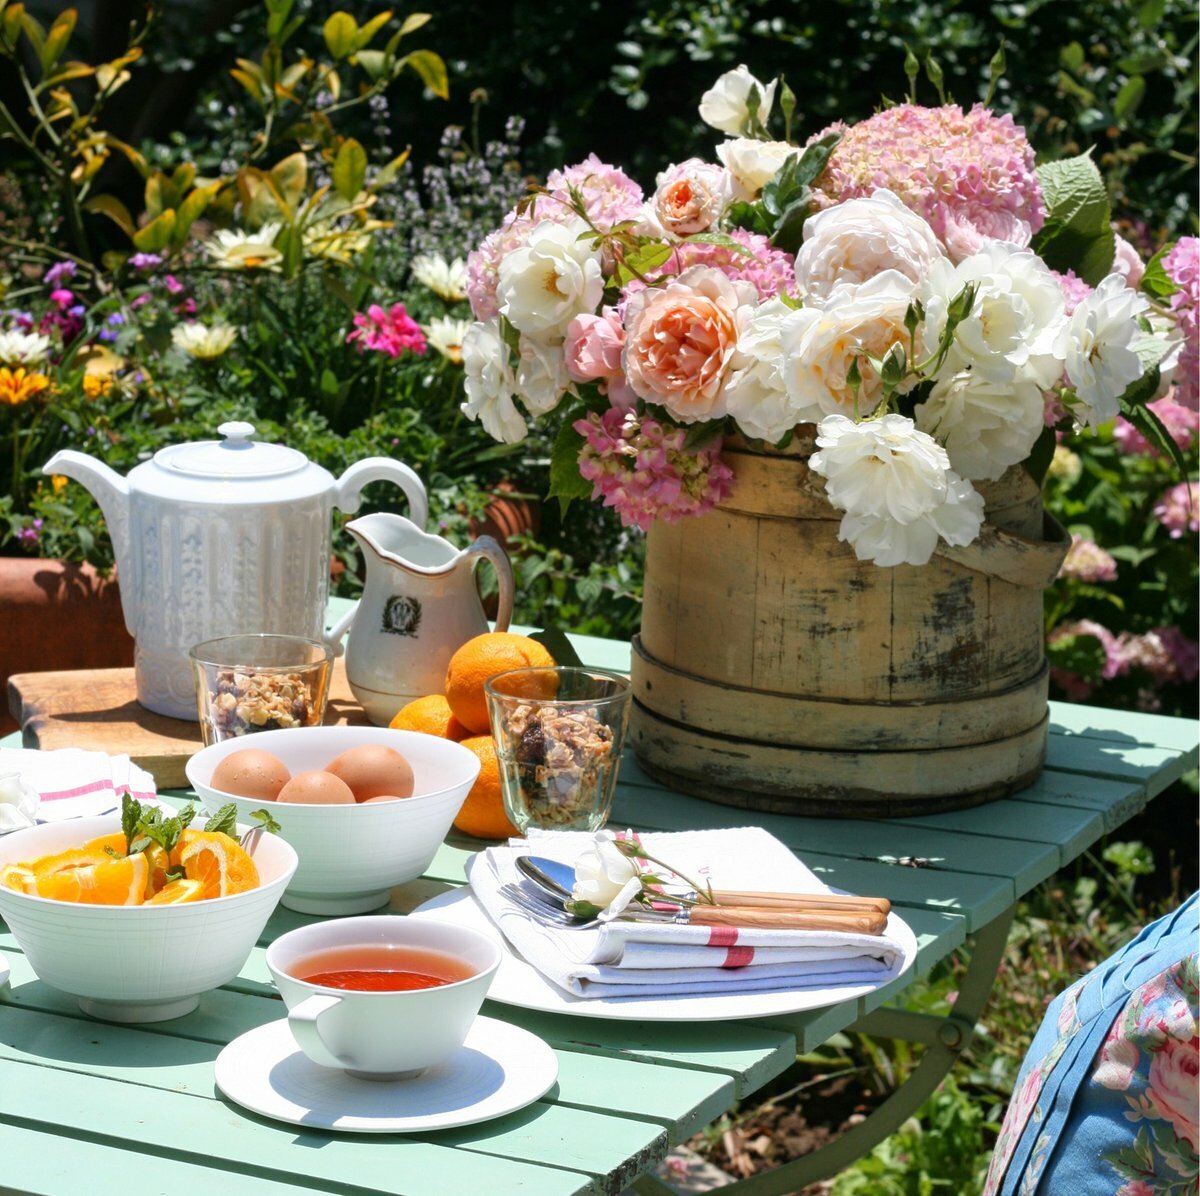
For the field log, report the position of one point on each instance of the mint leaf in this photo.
(268, 823)
(131, 815)
(224, 820)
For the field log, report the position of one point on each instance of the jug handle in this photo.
(375, 469)
(335, 636)
(485, 548)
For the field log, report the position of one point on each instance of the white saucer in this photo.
(499, 1069)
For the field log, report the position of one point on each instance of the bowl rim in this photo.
(373, 806)
(90, 910)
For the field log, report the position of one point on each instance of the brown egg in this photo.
(372, 770)
(317, 789)
(251, 773)
(370, 801)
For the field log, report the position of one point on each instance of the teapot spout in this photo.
(111, 491)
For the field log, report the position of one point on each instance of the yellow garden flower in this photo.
(19, 386)
(96, 386)
(201, 342)
(232, 249)
(59, 482)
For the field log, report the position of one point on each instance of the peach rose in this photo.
(690, 197)
(680, 341)
(1174, 1071)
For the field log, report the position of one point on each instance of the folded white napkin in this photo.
(644, 959)
(69, 783)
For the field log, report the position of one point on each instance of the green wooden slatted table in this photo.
(88, 1106)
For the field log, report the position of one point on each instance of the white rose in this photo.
(1095, 344)
(19, 802)
(1013, 328)
(724, 106)
(985, 426)
(689, 198)
(542, 377)
(752, 164)
(756, 394)
(490, 384)
(821, 343)
(550, 279)
(603, 875)
(896, 487)
(853, 241)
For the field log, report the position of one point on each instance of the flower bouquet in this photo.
(871, 328)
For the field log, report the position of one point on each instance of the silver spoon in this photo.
(544, 882)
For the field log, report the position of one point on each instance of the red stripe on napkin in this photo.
(722, 936)
(94, 787)
(738, 957)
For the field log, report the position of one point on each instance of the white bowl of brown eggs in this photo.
(365, 808)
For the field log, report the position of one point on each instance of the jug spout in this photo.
(111, 491)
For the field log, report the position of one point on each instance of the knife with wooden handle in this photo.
(768, 919)
(803, 901)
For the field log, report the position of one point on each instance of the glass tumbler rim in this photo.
(205, 653)
(624, 685)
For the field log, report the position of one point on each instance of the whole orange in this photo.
(431, 714)
(480, 660)
(482, 814)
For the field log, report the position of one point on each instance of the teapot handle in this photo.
(375, 469)
(486, 548)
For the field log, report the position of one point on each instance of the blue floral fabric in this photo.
(1108, 1099)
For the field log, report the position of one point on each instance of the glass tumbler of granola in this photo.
(248, 683)
(559, 735)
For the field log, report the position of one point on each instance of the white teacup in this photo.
(388, 1035)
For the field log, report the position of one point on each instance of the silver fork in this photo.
(542, 910)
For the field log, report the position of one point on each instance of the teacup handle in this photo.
(304, 1024)
(490, 550)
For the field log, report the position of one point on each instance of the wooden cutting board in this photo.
(97, 709)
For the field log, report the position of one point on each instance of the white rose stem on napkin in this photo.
(631, 958)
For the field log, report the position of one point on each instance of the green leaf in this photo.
(224, 820)
(349, 169)
(1132, 92)
(566, 483)
(789, 231)
(266, 821)
(431, 69)
(413, 22)
(155, 235)
(372, 27)
(57, 38)
(1083, 655)
(1150, 13)
(114, 209)
(1071, 56)
(291, 178)
(341, 32)
(556, 643)
(1078, 231)
(1156, 282)
(1040, 456)
(374, 62)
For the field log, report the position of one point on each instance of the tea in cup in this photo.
(385, 997)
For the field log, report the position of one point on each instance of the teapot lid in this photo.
(234, 458)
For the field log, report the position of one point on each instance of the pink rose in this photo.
(593, 346)
(690, 197)
(681, 338)
(1118, 1060)
(1135, 1187)
(1172, 1084)
(1127, 264)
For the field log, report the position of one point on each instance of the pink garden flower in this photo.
(1182, 265)
(1087, 561)
(1182, 423)
(609, 194)
(593, 350)
(1177, 509)
(770, 270)
(971, 175)
(1079, 689)
(680, 341)
(392, 331)
(640, 469)
(1074, 289)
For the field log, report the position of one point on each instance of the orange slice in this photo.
(177, 891)
(77, 857)
(216, 860)
(154, 853)
(19, 877)
(114, 882)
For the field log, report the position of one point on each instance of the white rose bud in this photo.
(19, 802)
(603, 875)
(725, 105)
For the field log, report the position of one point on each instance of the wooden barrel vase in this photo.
(774, 671)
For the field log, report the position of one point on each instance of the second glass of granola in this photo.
(559, 736)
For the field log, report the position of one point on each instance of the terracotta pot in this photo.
(57, 616)
(503, 518)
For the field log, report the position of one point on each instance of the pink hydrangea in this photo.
(1077, 688)
(1074, 289)
(1087, 561)
(1182, 265)
(639, 468)
(1165, 653)
(609, 194)
(392, 331)
(971, 175)
(771, 270)
(1182, 424)
(1176, 510)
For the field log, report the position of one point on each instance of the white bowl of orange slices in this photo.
(120, 931)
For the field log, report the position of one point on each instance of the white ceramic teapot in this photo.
(419, 606)
(222, 537)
